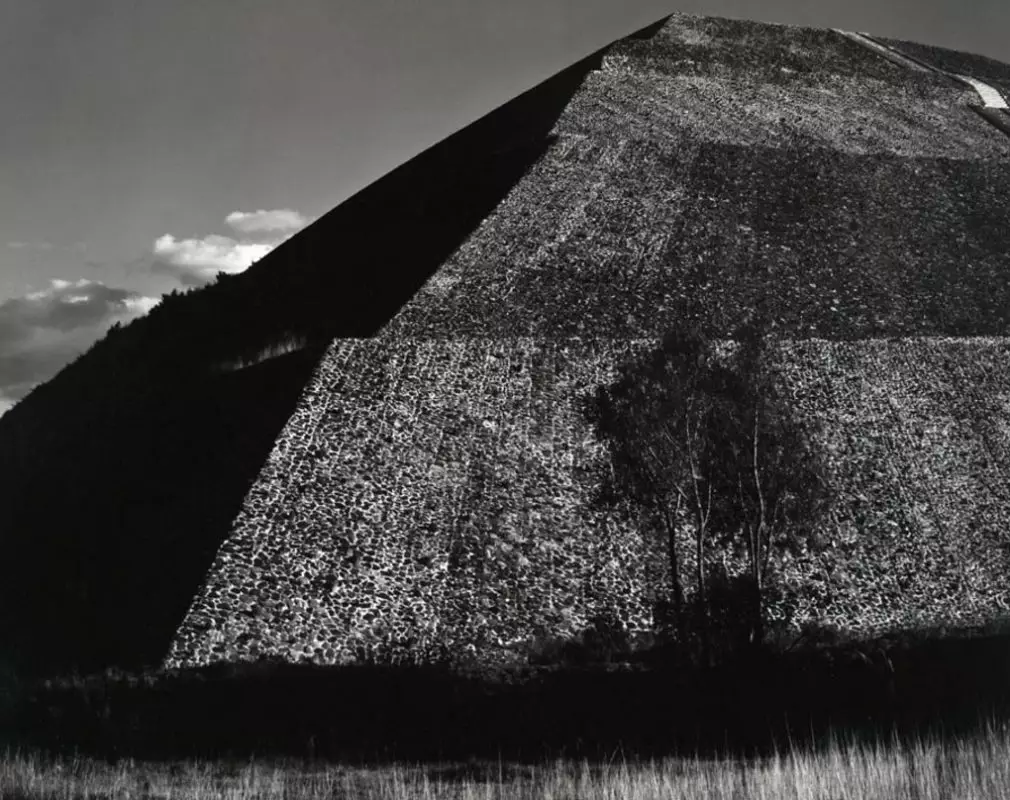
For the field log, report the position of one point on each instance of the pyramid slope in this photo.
(431, 494)
(433, 498)
(661, 179)
(123, 474)
(984, 68)
(625, 237)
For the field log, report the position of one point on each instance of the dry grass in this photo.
(924, 770)
(283, 346)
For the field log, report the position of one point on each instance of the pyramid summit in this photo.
(388, 460)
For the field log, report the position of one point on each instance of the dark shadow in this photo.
(911, 686)
(121, 476)
(996, 117)
(942, 274)
(107, 540)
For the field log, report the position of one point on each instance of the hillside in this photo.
(416, 479)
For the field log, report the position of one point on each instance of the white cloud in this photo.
(279, 219)
(140, 305)
(195, 261)
(42, 331)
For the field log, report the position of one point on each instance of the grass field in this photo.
(923, 769)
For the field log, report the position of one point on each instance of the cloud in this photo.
(194, 262)
(42, 331)
(280, 219)
(197, 261)
(138, 305)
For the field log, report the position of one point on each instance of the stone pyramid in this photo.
(421, 482)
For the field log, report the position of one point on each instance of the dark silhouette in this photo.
(122, 475)
(579, 707)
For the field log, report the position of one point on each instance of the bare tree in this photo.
(654, 422)
(711, 443)
(770, 482)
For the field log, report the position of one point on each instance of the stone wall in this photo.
(433, 497)
(427, 496)
(433, 493)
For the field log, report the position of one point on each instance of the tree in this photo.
(770, 482)
(707, 441)
(654, 421)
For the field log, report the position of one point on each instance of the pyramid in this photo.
(411, 478)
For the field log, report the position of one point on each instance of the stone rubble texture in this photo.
(432, 494)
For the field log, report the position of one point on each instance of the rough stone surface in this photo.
(431, 495)
(993, 72)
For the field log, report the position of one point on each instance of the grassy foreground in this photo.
(977, 767)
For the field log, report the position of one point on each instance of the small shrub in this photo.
(607, 640)
(547, 649)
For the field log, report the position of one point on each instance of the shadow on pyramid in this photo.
(123, 474)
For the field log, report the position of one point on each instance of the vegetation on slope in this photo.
(591, 700)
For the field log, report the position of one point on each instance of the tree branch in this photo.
(762, 523)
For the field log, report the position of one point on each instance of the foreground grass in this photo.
(925, 769)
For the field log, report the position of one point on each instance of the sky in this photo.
(146, 144)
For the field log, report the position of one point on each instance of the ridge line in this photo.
(991, 97)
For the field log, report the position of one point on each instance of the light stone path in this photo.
(990, 97)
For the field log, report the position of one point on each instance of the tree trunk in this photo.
(676, 585)
(760, 542)
(702, 593)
